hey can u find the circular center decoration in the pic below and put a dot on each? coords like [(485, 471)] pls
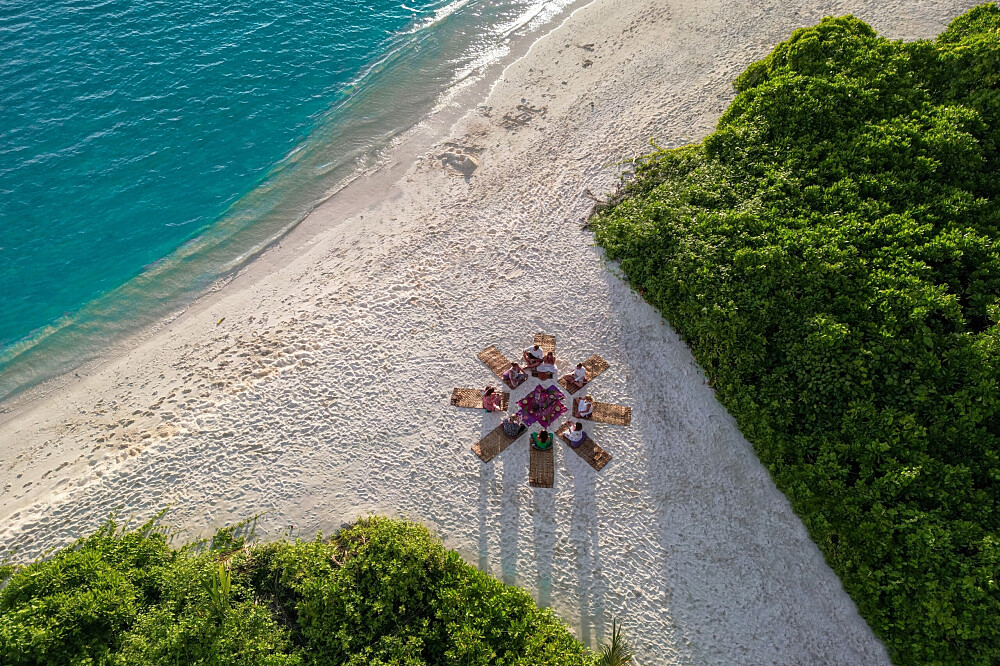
[(542, 405)]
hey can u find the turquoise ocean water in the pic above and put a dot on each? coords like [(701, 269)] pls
[(148, 148)]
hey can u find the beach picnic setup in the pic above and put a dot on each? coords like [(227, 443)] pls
[(543, 405)]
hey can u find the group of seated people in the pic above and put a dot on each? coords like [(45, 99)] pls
[(536, 361), (543, 366), (539, 363), (583, 408), (542, 440)]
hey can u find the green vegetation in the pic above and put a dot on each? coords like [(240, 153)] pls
[(831, 253), (617, 651), (379, 592)]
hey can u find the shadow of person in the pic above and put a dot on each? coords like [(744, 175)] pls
[(667, 460), (515, 465), (543, 501), (584, 541), (487, 480)]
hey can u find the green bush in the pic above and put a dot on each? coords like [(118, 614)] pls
[(832, 255), (393, 594), (379, 592), (75, 607)]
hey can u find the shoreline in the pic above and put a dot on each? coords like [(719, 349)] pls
[(56, 353), (313, 385)]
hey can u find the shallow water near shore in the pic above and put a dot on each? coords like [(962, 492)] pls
[(154, 149)]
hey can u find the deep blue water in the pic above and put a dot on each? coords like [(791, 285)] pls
[(146, 147)]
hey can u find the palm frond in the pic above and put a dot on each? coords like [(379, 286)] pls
[(616, 652)]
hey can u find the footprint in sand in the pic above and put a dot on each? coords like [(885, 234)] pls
[(522, 115)]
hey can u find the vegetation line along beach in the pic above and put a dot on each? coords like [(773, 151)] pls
[(378, 593), (832, 255), (791, 300)]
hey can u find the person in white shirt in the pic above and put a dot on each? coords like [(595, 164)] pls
[(576, 435), (583, 407), (532, 357), (577, 378)]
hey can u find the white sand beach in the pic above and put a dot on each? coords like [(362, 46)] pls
[(314, 386)]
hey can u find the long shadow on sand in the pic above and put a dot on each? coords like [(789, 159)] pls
[(584, 542), (543, 502), (655, 466), (515, 462), (487, 480)]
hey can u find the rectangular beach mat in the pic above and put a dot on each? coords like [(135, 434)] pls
[(494, 360), (566, 386), (473, 398), (542, 471), (546, 342), (595, 456), (595, 365), (614, 414), (494, 443)]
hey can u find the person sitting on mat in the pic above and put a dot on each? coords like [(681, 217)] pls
[(491, 399), (512, 426), (575, 435), (547, 366), (541, 440), (583, 407), (578, 377), (514, 375), (533, 356)]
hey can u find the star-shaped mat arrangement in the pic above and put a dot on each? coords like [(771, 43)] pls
[(543, 405)]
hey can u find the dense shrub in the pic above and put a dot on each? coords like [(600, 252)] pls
[(831, 254), (75, 607), (379, 592), (398, 596)]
